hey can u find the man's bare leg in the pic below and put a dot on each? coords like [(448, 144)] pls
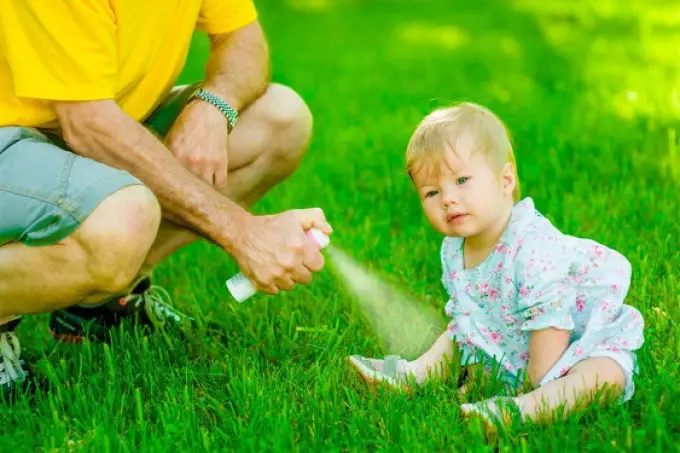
[(266, 146), (102, 257)]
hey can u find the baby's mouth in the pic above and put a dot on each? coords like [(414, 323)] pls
[(455, 217)]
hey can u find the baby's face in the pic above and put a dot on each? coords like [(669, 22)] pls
[(462, 194)]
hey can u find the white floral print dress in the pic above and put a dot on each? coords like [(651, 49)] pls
[(537, 277)]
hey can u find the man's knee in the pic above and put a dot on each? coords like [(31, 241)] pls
[(117, 236), (291, 121)]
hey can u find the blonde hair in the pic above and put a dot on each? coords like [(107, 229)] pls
[(440, 130)]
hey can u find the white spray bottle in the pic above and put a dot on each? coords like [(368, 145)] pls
[(241, 288)]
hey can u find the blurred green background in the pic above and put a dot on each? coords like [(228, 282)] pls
[(591, 94)]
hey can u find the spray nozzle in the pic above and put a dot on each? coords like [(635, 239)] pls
[(318, 238)]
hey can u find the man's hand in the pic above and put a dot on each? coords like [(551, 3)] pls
[(238, 72), (274, 252), (199, 140)]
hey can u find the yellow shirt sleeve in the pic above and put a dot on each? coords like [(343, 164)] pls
[(223, 16), (60, 49)]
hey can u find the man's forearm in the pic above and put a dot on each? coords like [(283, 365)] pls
[(101, 131), (238, 67)]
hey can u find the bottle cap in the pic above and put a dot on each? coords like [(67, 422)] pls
[(240, 287), (318, 238)]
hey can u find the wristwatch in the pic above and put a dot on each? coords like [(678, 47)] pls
[(223, 106)]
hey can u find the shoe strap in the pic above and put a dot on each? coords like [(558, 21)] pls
[(496, 409), (390, 365)]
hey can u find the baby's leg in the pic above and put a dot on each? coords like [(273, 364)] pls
[(433, 363), (574, 390)]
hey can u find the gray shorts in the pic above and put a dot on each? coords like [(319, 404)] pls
[(46, 191)]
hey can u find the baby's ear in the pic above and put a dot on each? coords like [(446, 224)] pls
[(509, 178)]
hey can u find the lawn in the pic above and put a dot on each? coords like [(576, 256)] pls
[(591, 94)]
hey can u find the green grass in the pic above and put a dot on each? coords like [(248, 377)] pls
[(591, 93)]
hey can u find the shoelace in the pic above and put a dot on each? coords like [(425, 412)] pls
[(156, 305), (11, 366)]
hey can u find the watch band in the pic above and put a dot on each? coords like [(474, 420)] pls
[(227, 110)]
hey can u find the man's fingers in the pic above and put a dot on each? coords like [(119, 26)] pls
[(208, 175), (284, 282), (312, 259), (221, 176), (288, 258), (314, 218), (302, 275), (269, 289), (199, 168), (264, 284)]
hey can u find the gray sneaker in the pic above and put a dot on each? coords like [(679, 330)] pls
[(147, 306), (12, 371)]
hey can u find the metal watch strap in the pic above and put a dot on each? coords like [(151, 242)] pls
[(227, 110)]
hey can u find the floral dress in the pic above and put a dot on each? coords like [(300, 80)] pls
[(535, 278)]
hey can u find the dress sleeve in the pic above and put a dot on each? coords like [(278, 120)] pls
[(469, 353), (542, 274)]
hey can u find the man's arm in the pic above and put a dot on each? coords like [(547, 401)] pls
[(238, 72), (100, 130), (545, 348), (272, 251), (238, 68)]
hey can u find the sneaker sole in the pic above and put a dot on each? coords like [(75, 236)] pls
[(68, 338)]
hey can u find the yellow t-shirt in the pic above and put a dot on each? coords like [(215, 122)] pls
[(79, 50)]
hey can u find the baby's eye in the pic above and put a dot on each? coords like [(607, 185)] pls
[(431, 193), (463, 180)]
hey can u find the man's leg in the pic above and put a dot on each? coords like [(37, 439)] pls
[(71, 230), (101, 258), (265, 147)]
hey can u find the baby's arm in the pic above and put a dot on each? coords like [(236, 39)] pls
[(542, 276), (435, 361), (546, 346)]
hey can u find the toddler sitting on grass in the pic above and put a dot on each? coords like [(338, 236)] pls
[(539, 305)]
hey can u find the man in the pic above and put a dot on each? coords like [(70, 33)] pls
[(105, 170)]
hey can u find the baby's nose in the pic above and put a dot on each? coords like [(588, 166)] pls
[(449, 197)]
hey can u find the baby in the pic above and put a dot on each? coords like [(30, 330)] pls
[(544, 308)]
